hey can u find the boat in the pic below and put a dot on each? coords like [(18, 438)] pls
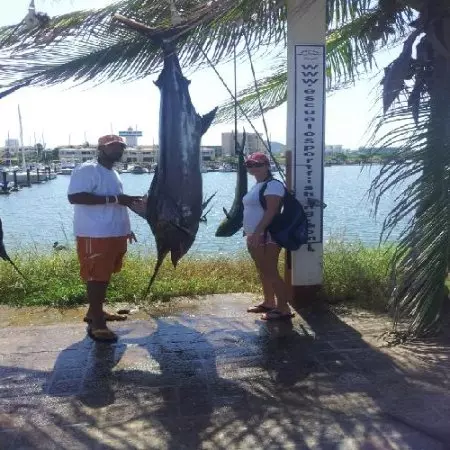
[(66, 168), (5, 189), (139, 170), (225, 168), (21, 177)]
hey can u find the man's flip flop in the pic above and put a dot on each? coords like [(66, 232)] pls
[(274, 314), (101, 335), (110, 317), (259, 309)]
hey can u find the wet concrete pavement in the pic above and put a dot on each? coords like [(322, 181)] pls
[(211, 376)]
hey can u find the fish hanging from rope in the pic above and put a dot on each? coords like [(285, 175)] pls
[(3, 253), (235, 217), (175, 203)]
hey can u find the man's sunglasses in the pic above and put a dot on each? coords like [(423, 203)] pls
[(254, 164)]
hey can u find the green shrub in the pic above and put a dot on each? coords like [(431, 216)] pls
[(353, 274)]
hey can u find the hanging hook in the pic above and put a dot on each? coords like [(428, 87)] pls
[(174, 14)]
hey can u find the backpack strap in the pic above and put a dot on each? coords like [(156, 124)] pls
[(262, 201), (262, 198)]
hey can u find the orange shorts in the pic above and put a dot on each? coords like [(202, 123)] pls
[(100, 257)]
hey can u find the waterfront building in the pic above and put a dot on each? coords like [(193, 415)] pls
[(253, 143), (143, 155)]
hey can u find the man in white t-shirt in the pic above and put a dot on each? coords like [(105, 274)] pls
[(102, 228)]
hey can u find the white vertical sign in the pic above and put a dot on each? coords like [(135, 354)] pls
[(309, 134), (306, 33)]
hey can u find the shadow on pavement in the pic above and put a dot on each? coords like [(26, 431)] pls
[(207, 381)]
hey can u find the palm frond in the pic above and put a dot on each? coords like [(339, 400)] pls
[(350, 52), (272, 93), (340, 12), (419, 91), (44, 54), (110, 61), (156, 13), (210, 27), (420, 172)]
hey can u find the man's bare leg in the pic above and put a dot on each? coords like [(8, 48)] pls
[(96, 292)]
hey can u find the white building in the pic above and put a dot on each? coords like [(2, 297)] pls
[(145, 154), (208, 153), (132, 141), (131, 137), (142, 155), (76, 155), (12, 144), (13, 152), (253, 143)]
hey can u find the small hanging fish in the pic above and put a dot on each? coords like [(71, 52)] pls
[(234, 218)]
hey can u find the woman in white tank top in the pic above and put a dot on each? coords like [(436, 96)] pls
[(263, 250)]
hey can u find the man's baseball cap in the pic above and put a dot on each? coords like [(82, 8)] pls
[(258, 157), (110, 139)]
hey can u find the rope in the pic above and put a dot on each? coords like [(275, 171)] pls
[(235, 103), (255, 81), (231, 94)]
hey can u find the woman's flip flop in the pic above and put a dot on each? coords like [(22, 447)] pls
[(274, 314), (259, 309)]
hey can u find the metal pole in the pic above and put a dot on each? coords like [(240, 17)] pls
[(21, 138), (5, 182)]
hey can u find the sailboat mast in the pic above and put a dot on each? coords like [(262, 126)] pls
[(24, 166)]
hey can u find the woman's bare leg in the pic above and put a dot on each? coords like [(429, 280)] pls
[(266, 259), (269, 293)]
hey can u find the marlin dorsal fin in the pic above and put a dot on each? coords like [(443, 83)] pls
[(206, 120)]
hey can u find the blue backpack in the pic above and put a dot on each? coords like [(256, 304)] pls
[(289, 228)]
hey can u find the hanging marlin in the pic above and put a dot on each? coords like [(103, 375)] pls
[(3, 253), (234, 218), (175, 199)]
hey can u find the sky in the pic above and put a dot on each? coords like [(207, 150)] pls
[(67, 113)]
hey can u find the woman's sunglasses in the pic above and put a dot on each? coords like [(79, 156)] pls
[(254, 164)]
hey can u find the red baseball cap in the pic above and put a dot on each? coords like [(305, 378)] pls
[(258, 157), (110, 139)]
